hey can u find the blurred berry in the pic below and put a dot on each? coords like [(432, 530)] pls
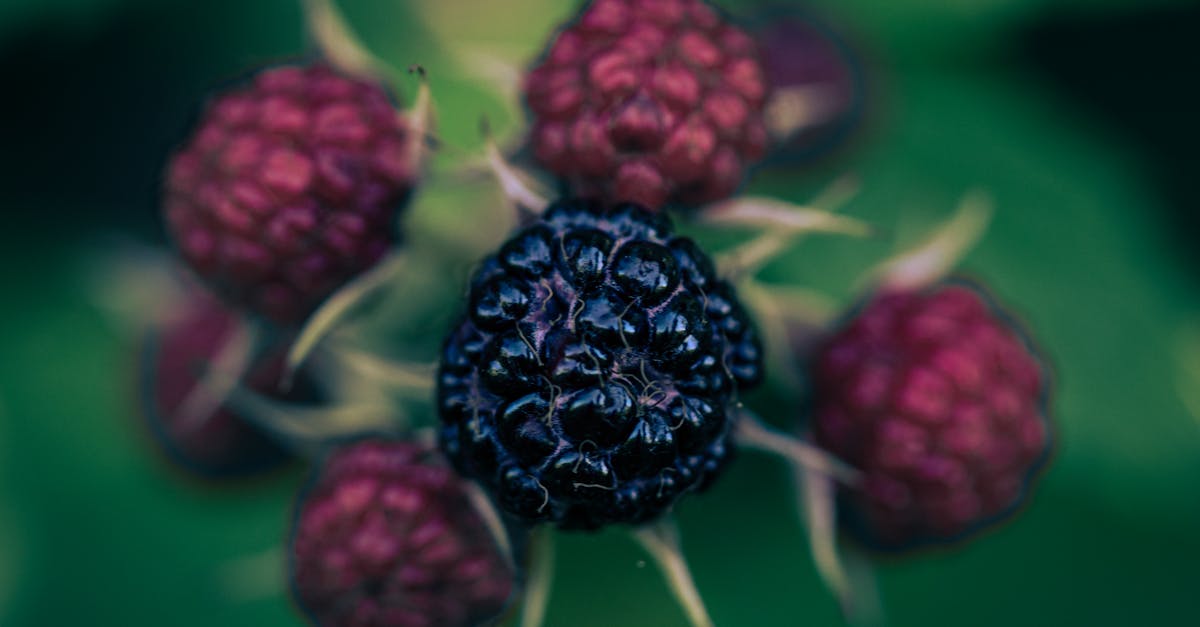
[(386, 536), (219, 444), (648, 101), (940, 401), (591, 381), (289, 187), (799, 51)]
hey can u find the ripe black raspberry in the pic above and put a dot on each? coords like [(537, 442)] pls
[(940, 401), (591, 380), (288, 188), (649, 101), (386, 536), (219, 444)]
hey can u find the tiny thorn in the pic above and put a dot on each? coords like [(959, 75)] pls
[(934, 258), (335, 309), (751, 431), (538, 578), (660, 540), (514, 184), (337, 41), (417, 69), (221, 376)]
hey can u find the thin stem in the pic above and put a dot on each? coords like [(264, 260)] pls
[(934, 258), (221, 375), (417, 379), (751, 431), (337, 40), (815, 496), (793, 109), (419, 119), (515, 186), (538, 578), (661, 540), (335, 308)]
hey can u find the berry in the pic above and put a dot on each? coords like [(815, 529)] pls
[(289, 187), (649, 101), (800, 52), (939, 400), (591, 380), (220, 443), (386, 535)]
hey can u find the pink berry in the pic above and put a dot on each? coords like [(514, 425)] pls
[(289, 187), (386, 535), (220, 443), (940, 401), (649, 101)]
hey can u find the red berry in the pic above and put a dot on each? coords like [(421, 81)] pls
[(940, 401), (649, 101), (219, 443), (387, 536), (289, 187)]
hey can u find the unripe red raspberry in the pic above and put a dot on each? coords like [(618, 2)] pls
[(940, 401), (217, 443), (649, 101), (289, 187), (386, 535)]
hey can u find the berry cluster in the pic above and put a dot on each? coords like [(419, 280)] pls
[(590, 382), (596, 370)]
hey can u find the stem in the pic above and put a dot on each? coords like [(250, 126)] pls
[(337, 40), (817, 505), (538, 579), (514, 185), (793, 109), (221, 375), (934, 258), (661, 540), (334, 309), (419, 119), (751, 431), (417, 379)]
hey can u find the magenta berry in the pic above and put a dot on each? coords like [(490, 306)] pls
[(938, 399), (289, 187), (386, 536), (220, 443), (649, 101)]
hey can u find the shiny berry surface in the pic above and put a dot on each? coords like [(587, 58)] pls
[(592, 380), (386, 536), (289, 187), (220, 443), (648, 101), (939, 400)]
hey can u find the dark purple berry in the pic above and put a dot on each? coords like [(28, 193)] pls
[(649, 101), (173, 362), (592, 379), (939, 400), (386, 536), (798, 51), (288, 188)]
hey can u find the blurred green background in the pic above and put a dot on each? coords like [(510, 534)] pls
[(1078, 116)]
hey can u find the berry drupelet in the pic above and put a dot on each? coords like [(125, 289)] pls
[(217, 443), (593, 377), (648, 101), (939, 400), (386, 535), (289, 187)]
